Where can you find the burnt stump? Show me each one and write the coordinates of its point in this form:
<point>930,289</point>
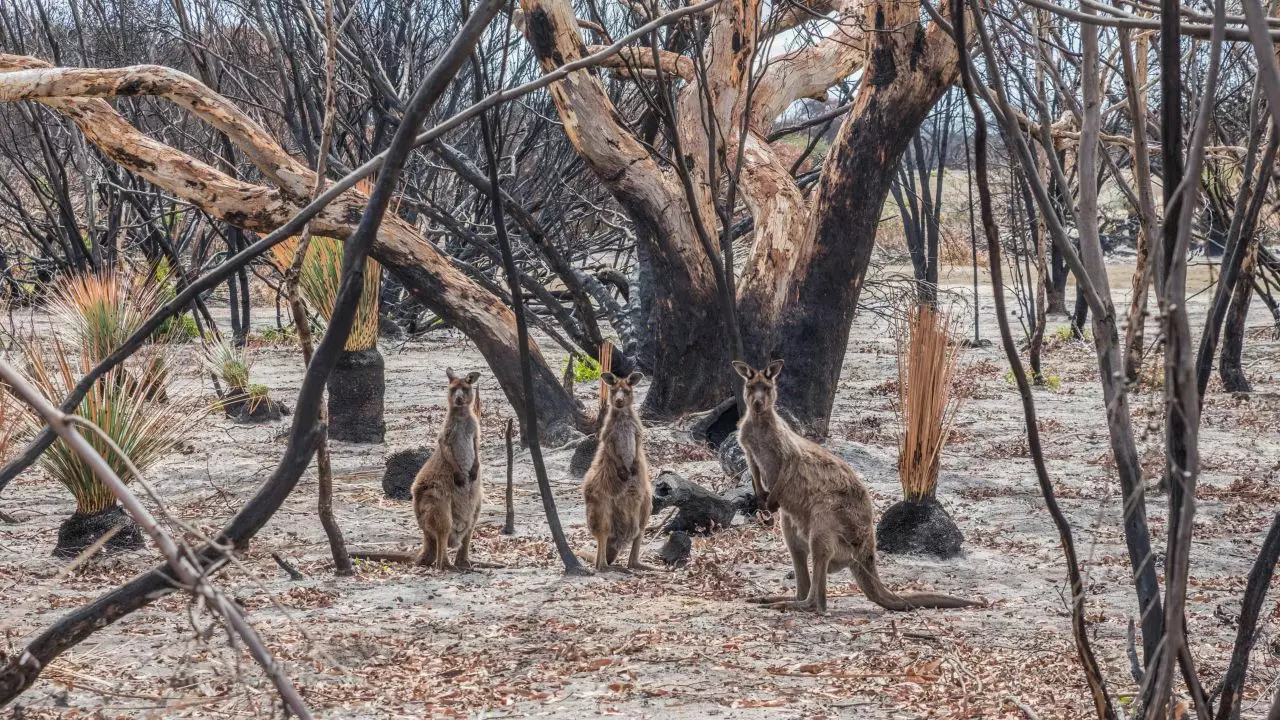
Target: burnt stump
<point>80,531</point>
<point>919,528</point>
<point>356,388</point>
<point>402,469</point>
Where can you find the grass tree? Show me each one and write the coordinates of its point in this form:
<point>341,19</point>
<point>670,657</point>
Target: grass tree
<point>927,406</point>
<point>100,310</point>
<point>357,385</point>
<point>144,429</point>
<point>242,400</point>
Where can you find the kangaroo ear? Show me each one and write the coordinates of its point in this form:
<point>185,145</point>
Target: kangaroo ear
<point>635,378</point>
<point>774,369</point>
<point>743,369</point>
<point>449,373</point>
<point>473,377</point>
<point>609,378</point>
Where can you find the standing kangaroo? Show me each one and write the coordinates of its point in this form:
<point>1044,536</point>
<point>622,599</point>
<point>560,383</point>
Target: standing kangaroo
<point>826,510</point>
<point>448,490</point>
<point>616,487</point>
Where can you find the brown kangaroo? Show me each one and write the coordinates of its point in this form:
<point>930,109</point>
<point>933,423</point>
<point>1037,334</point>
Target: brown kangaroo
<point>616,487</point>
<point>448,491</point>
<point>826,510</point>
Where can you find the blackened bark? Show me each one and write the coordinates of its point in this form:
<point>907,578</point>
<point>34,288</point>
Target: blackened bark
<point>685,339</point>
<point>1230,367</point>
<point>1056,294</point>
<point>815,323</point>
<point>356,391</point>
<point>1080,316</point>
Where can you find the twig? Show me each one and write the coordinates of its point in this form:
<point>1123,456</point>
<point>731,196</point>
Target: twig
<point>509,525</point>
<point>285,566</point>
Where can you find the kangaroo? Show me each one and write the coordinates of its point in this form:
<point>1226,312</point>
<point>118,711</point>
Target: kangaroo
<point>616,487</point>
<point>448,490</point>
<point>826,510</point>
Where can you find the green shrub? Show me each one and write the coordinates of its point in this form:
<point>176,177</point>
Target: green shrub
<point>585,368</point>
<point>146,431</point>
<point>230,364</point>
<point>1052,382</point>
<point>274,336</point>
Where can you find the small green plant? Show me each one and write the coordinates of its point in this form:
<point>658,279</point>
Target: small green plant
<point>177,329</point>
<point>274,336</point>
<point>1053,382</point>
<point>258,394</point>
<point>230,364</point>
<point>585,368</point>
<point>1064,333</point>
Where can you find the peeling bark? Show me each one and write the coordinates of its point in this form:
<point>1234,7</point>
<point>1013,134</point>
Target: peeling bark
<point>429,275</point>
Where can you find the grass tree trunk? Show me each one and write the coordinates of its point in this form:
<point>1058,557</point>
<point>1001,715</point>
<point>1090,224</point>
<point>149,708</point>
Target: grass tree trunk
<point>356,390</point>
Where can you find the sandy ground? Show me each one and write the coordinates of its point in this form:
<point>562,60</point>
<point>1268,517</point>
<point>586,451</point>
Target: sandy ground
<point>523,641</point>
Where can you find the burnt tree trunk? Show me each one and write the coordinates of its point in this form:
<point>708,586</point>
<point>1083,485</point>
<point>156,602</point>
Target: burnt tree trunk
<point>1056,294</point>
<point>356,390</point>
<point>892,102</point>
<point>1230,367</point>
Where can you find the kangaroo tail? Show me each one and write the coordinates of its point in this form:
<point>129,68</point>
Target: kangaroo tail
<point>869,580</point>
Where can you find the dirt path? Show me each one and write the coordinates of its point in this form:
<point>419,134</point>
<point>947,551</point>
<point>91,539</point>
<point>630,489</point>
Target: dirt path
<point>523,641</point>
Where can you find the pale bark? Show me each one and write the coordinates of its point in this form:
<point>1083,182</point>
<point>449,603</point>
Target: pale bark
<point>76,93</point>
<point>801,281</point>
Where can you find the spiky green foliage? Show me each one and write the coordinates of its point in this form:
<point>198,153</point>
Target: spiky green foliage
<point>586,369</point>
<point>320,280</point>
<point>231,364</point>
<point>101,310</point>
<point>145,430</point>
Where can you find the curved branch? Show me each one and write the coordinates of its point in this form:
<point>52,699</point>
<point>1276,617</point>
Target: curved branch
<point>27,78</point>
<point>809,71</point>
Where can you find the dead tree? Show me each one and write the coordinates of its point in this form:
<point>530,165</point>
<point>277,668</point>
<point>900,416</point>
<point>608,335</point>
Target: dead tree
<point>433,279</point>
<point>810,253</point>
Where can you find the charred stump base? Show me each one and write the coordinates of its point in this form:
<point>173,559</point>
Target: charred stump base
<point>676,551</point>
<point>1235,381</point>
<point>80,531</point>
<point>402,470</point>
<point>355,397</point>
<point>582,456</point>
<point>920,528</point>
<point>268,410</point>
<point>249,412</point>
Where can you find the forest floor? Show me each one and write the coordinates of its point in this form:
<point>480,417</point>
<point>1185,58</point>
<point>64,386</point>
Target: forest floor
<point>397,641</point>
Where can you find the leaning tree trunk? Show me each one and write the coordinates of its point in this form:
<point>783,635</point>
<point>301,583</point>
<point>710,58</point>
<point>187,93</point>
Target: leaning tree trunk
<point>898,92</point>
<point>356,389</point>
